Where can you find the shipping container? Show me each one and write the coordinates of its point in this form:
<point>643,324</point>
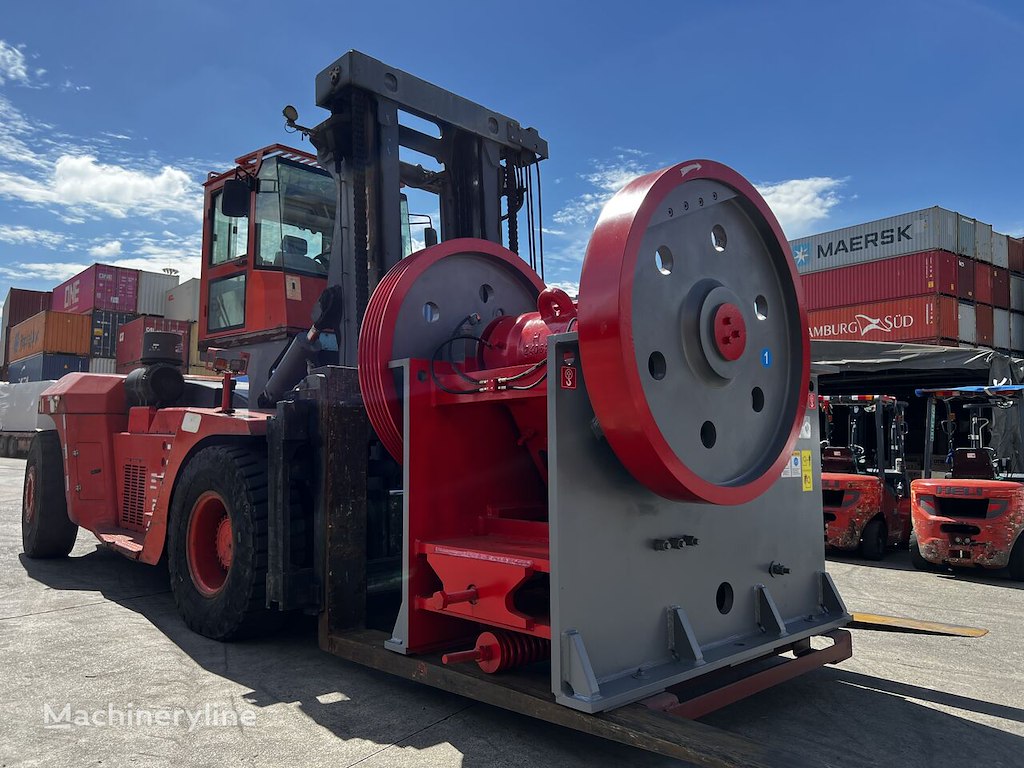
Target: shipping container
<point>102,365</point>
<point>985,325</point>
<point>1017,332</point>
<point>1000,250</point>
<point>105,329</point>
<point>98,287</point>
<point>900,320</point>
<point>983,242</point>
<point>965,278</point>
<point>982,282</point>
<point>129,338</point>
<point>59,332</point>
<point>965,244</point>
<point>153,287</point>
<point>967,323</point>
<point>182,302</point>
<point>1015,254</point>
<point>1000,287</point>
<point>46,366</point>
<point>1017,292</point>
<point>932,229</point>
<point>917,274</point>
<point>19,306</point>
<point>1001,328</point>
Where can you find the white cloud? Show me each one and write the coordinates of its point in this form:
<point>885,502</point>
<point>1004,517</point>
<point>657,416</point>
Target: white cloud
<point>28,236</point>
<point>12,64</point>
<point>608,177</point>
<point>572,287</point>
<point>83,183</point>
<point>50,271</point>
<point>67,85</point>
<point>801,203</point>
<point>106,250</point>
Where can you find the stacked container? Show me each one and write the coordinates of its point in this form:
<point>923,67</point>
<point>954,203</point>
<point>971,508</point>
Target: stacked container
<point>99,287</point>
<point>48,342</point>
<point>19,306</point>
<point>129,339</point>
<point>182,302</point>
<point>152,296</point>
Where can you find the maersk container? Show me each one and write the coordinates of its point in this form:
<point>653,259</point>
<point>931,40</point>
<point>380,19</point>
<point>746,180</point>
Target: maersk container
<point>98,287</point>
<point>1017,332</point>
<point>1001,328</point>
<point>983,242</point>
<point>965,233</point>
<point>19,306</point>
<point>60,332</point>
<point>182,302</point>
<point>153,287</point>
<point>1015,254</point>
<point>931,229</point>
<point>102,365</point>
<point>985,325</point>
<point>917,274</point>
<point>1017,293</point>
<point>900,320</point>
<point>1000,250</point>
<point>1000,287</point>
<point>105,328</point>
<point>967,325</point>
<point>982,282</point>
<point>46,366</point>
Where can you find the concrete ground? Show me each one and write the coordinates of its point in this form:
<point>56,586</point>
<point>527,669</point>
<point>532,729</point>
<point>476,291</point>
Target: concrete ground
<point>97,632</point>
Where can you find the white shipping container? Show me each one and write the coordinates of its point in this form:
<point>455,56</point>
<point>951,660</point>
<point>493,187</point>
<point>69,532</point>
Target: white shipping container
<point>965,236</point>
<point>1000,250</point>
<point>182,302</point>
<point>983,242</point>
<point>1016,292</point>
<point>19,407</point>
<point>102,365</point>
<point>966,323</point>
<point>1001,328</point>
<point>153,288</point>
<point>1017,331</point>
<point>931,229</point>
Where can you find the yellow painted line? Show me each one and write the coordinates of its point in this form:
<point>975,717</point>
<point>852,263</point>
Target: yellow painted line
<point>903,624</point>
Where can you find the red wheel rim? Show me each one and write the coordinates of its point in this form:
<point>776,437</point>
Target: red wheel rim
<point>29,501</point>
<point>607,338</point>
<point>377,335</point>
<point>209,544</point>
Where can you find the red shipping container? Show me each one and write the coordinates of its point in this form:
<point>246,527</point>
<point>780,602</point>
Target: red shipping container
<point>982,282</point>
<point>985,323</point>
<point>1015,254</point>
<point>98,287</point>
<point>928,272</point>
<point>129,338</point>
<point>965,278</point>
<point>918,317</point>
<point>1000,287</point>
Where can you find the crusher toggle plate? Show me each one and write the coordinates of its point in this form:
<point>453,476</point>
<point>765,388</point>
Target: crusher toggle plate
<point>629,480</point>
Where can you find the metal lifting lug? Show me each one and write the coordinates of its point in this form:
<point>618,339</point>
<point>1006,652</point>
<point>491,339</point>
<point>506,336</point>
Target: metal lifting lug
<point>777,569</point>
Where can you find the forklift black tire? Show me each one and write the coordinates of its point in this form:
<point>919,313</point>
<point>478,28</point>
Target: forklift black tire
<point>1016,563</point>
<point>46,530</point>
<point>917,559</point>
<point>873,540</point>
<point>217,543</point>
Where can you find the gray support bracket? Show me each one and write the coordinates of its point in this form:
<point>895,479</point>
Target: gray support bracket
<point>577,671</point>
<point>829,599</point>
<point>766,614</point>
<point>682,641</point>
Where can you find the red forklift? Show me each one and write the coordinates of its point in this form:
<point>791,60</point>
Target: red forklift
<point>973,515</point>
<point>864,484</point>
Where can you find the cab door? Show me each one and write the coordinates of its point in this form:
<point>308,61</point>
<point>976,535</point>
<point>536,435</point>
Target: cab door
<point>226,267</point>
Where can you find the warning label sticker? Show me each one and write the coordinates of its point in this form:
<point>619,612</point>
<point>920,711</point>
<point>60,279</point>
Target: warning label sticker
<point>805,430</point>
<point>568,377</point>
<point>793,468</point>
<point>807,474</point>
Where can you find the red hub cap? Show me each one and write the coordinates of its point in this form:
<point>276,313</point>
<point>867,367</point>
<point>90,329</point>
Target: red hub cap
<point>730,331</point>
<point>209,544</point>
<point>29,502</point>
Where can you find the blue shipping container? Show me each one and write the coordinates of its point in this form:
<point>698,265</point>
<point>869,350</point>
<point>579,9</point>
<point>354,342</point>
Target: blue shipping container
<point>46,366</point>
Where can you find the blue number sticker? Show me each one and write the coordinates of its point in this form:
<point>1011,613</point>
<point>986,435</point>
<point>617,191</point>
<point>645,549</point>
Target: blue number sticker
<point>766,357</point>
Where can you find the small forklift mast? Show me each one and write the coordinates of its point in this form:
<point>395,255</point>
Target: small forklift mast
<point>887,423</point>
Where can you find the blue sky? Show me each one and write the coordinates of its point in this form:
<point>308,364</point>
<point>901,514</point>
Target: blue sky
<point>111,113</point>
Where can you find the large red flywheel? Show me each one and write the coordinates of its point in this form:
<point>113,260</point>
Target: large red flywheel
<point>693,337</point>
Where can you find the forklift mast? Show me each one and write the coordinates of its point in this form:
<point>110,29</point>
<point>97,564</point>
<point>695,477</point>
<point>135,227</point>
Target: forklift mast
<point>887,423</point>
<point>484,156</point>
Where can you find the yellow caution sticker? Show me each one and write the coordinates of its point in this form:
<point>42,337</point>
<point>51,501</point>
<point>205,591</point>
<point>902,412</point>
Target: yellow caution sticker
<point>808,475</point>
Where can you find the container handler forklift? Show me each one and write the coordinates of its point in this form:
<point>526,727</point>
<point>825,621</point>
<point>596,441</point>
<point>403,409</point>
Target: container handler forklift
<point>865,490</point>
<point>586,497</point>
<point>974,515</point>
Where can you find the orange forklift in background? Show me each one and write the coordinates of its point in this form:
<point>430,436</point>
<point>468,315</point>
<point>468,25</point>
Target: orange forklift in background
<point>864,485</point>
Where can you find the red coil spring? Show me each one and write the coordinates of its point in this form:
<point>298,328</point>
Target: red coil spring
<point>497,651</point>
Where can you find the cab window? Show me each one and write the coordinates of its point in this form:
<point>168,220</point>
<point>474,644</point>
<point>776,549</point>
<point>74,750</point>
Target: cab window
<point>227,303</point>
<point>230,236</point>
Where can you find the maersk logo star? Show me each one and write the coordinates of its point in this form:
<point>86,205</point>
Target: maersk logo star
<point>801,253</point>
